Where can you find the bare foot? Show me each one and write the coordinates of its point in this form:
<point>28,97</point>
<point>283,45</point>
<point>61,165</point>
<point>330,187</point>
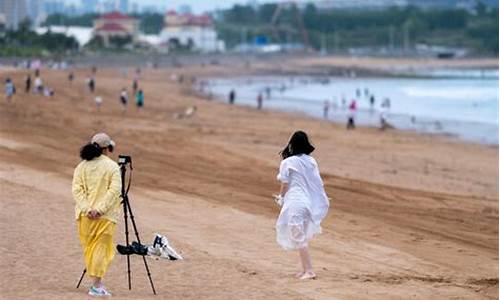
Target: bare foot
<point>299,274</point>
<point>308,275</point>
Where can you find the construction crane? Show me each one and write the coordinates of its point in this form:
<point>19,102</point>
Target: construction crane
<point>276,29</point>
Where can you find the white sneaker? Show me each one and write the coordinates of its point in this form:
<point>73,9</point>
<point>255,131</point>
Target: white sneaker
<point>99,292</point>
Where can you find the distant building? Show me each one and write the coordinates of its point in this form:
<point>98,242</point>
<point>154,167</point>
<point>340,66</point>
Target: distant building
<point>194,32</point>
<point>14,12</point>
<point>115,24</point>
<point>2,22</point>
<point>35,12</point>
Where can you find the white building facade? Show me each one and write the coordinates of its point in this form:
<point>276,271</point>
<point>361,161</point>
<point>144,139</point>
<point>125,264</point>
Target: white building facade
<point>190,31</point>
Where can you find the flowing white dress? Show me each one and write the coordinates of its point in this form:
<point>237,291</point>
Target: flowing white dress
<point>305,203</point>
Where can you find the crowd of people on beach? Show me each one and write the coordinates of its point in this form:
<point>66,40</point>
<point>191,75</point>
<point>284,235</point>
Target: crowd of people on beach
<point>350,108</point>
<point>38,87</point>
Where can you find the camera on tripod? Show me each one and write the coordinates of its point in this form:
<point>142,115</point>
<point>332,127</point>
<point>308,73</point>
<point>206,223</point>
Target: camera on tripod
<point>124,159</point>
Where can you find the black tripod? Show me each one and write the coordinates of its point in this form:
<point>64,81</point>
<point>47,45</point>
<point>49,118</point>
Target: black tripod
<point>127,210</point>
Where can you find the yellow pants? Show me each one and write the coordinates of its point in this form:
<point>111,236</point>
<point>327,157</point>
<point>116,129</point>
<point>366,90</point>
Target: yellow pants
<point>96,238</point>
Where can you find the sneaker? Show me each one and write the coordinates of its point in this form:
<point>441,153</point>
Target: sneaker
<point>98,292</point>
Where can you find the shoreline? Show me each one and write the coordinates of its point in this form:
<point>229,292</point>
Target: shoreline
<point>366,118</point>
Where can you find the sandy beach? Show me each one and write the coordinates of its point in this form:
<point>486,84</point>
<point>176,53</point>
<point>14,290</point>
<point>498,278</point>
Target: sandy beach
<point>412,216</point>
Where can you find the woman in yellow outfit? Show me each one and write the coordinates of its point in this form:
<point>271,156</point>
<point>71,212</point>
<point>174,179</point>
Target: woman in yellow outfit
<point>96,189</point>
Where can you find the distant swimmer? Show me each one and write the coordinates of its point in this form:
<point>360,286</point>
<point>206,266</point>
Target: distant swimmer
<point>10,89</point>
<point>259,101</point>
<point>27,83</point>
<point>351,116</point>
<point>232,96</point>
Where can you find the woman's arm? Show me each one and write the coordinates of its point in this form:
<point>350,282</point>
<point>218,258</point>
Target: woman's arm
<point>283,189</point>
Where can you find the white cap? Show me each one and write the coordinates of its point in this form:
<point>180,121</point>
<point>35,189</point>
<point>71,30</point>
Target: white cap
<point>103,140</point>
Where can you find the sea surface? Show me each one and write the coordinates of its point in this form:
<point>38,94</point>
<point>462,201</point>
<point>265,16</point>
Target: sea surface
<point>466,108</point>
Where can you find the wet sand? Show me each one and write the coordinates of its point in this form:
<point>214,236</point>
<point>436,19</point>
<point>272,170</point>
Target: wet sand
<point>412,216</point>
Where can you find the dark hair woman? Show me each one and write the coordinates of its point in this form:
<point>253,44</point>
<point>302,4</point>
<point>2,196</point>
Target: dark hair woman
<point>298,144</point>
<point>303,198</point>
<point>96,189</point>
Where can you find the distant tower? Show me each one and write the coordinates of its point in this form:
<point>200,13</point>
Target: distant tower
<point>34,11</point>
<point>124,6</point>
<point>14,11</point>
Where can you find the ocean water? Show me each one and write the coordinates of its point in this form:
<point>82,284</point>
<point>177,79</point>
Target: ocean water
<point>466,108</point>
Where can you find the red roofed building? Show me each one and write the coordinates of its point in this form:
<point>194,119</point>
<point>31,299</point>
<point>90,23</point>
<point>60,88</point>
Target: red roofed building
<point>115,24</point>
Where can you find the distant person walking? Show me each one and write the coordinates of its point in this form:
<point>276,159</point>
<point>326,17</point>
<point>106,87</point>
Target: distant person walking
<point>303,199</point>
<point>71,77</point>
<point>135,85</point>
<point>124,98</point>
<point>27,83</point>
<point>232,96</point>
<point>91,84</point>
<point>259,101</point>
<point>351,115</point>
<point>38,84</point>
<point>326,108</point>
<point>98,102</point>
<point>96,189</point>
<point>10,89</point>
<point>139,99</point>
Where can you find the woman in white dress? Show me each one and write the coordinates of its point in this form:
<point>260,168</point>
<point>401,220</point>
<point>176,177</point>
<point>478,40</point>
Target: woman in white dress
<point>303,198</point>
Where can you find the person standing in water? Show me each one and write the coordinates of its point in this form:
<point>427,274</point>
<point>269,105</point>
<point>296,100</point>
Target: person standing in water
<point>326,108</point>
<point>259,101</point>
<point>232,96</point>
<point>351,116</point>
<point>372,102</point>
<point>303,199</point>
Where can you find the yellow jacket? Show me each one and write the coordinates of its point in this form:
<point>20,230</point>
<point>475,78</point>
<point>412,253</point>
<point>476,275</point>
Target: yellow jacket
<point>97,185</point>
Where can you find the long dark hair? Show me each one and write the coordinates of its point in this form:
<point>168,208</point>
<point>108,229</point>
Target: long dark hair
<point>90,151</point>
<point>298,144</point>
